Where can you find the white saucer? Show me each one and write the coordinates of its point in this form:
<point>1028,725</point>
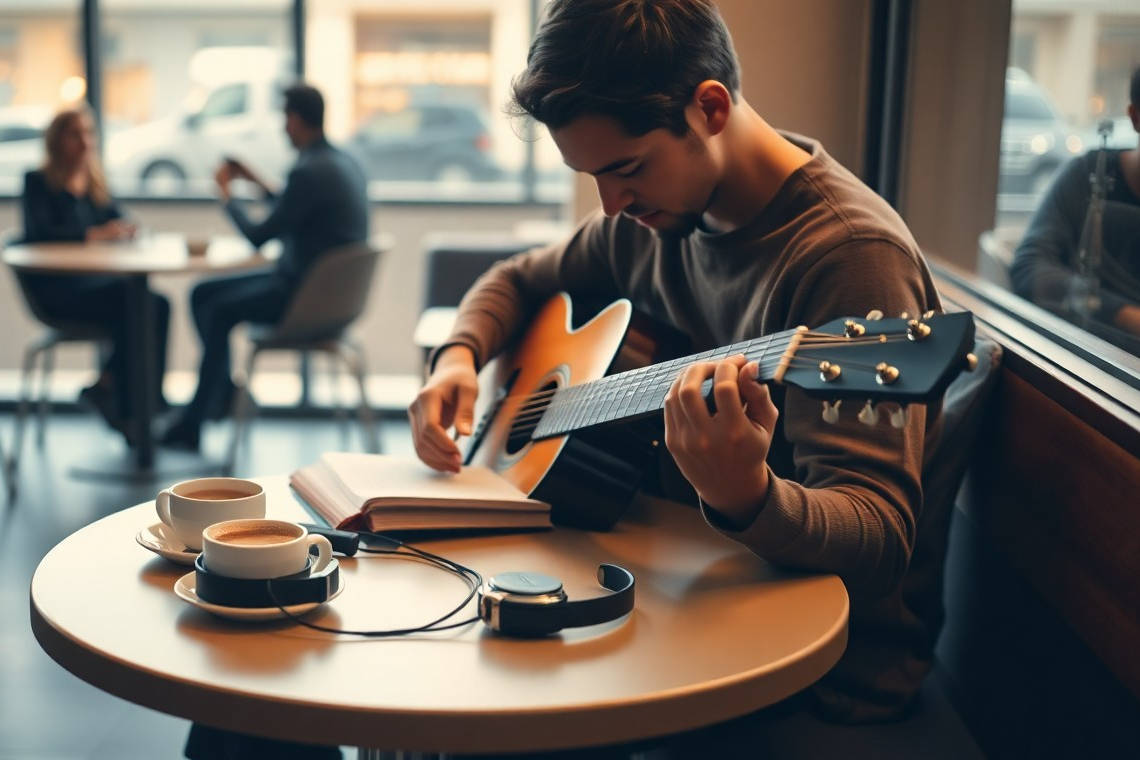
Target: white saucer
<point>186,590</point>
<point>157,539</point>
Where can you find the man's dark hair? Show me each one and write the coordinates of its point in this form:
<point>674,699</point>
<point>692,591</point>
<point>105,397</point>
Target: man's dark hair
<point>307,103</point>
<point>1134,88</point>
<point>636,61</point>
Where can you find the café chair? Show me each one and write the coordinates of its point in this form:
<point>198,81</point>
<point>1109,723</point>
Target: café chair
<point>333,294</point>
<point>43,348</point>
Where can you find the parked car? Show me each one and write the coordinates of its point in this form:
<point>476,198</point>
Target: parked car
<point>21,144</point>
<point>234,109</point>
<point>1035,140</point>
<point>430,141</point>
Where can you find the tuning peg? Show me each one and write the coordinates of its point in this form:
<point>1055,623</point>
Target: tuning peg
<point>874,314</point>
<point>900,417</point>
<point>928,314</point>
<point>916,330</point>
<point>831,412</point>
<point>885,373</point>
<point>971,362</point>
<point>829,372</point>
<point>853,329</point>
<point>869,415</point>
<point>904,315</point>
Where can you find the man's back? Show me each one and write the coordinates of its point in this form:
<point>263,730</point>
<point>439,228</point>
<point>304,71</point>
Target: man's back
<point>335,212</point>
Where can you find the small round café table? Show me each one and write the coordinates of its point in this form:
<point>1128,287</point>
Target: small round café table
<point>136,260</point>
<point>715,633</point>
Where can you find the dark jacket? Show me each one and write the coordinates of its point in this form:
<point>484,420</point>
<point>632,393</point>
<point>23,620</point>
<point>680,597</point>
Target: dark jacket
<point>324,205</point>
<point>55,215</point>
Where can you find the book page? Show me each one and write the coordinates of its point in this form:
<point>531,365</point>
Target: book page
<point>378,479</point>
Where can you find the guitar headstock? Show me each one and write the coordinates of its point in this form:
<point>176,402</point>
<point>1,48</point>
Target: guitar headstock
<point>906,360</point>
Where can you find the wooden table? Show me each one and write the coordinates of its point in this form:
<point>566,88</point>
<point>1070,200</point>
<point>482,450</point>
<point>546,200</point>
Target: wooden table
<point>716,633</point>
<point>136,260</point>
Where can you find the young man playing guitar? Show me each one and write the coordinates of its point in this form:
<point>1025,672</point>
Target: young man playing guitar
<point>725,228</point>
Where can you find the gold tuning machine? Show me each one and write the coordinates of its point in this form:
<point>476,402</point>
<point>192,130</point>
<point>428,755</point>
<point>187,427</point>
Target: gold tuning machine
<point>829,372</point>
<point>874,314</point>
<point>885,373</point>
<point>916,330</point>
<point>971,362</point>
<point>853,329</point>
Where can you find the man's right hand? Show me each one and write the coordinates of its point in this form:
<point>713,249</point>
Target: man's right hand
<point>448,398</point>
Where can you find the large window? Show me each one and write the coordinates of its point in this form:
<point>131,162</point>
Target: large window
<point>188,83</point>
<point>41,70</point>
<point>1068,206</point>
<point>416,92</point>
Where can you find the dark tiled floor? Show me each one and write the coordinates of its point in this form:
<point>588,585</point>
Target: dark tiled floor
<point>45,712</point>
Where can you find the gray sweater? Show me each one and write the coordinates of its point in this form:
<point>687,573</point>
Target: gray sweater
<point>843,498</point>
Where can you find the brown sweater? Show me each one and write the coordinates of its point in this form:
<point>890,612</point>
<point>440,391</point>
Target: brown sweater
<point>844,498</point>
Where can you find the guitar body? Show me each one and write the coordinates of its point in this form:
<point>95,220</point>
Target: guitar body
<point>589,476</point>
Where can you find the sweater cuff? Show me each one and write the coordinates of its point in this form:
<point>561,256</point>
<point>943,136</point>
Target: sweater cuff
<point>775,524</point>
<point>433,357</point>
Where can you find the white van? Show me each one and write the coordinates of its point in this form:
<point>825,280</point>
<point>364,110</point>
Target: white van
<point>233,108</point>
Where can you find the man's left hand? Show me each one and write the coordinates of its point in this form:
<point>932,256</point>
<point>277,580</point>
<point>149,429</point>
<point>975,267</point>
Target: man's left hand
<point>722,454</point>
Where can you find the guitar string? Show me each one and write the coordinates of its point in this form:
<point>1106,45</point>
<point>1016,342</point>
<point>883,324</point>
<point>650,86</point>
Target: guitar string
<point>538,396</point>
<point>535,401</point>
<point>533,407</point>
<point>521,424</point>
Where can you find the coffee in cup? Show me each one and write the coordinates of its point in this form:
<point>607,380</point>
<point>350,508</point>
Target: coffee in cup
<point>187,508</point>
<point>261,549</point>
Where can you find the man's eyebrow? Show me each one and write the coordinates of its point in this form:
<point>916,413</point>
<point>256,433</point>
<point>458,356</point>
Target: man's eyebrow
<point>612,166</point>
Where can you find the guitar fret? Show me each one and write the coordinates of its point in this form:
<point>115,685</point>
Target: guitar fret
<point>638,391</point>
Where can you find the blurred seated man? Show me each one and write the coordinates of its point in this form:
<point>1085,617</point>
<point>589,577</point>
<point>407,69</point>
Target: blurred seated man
<point>67,200</point>
<point>324,205</point>
<point>1047,265</point>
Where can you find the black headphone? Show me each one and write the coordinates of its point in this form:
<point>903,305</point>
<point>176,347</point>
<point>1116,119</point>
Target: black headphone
<point>532,604</point>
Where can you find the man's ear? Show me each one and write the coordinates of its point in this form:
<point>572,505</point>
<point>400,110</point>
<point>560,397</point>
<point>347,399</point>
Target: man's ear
<point>713,103</point>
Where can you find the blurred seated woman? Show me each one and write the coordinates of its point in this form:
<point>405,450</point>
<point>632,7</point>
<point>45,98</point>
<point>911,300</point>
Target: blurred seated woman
<point>67,201</point>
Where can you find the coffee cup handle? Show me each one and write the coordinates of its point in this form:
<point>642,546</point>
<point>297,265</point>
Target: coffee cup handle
<point>162,505</point>
<point>324,549</point>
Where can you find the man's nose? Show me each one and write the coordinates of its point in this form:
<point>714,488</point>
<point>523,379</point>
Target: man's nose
<point>614,197</point>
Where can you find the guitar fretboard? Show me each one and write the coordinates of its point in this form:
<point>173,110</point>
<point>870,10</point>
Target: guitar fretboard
<point>642,391</point>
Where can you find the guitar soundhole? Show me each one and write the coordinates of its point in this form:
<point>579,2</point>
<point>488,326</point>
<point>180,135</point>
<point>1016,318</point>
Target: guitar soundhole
<point>528,417</point>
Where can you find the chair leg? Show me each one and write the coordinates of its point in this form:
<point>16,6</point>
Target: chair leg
<point>48,365</point>
<point>339,413</point>
<point>242,412</point>
<point>30,356</point>
<point>354,358</point>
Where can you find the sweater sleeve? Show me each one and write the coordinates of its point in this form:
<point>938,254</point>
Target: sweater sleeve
<point>497,306</point>
<point>854,502</point>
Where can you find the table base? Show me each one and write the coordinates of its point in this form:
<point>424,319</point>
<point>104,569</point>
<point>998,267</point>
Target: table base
<point>167,465</point>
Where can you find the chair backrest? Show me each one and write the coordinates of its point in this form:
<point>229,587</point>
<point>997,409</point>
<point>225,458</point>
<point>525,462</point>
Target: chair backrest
<point>332,294</point>
<point>454,262</point>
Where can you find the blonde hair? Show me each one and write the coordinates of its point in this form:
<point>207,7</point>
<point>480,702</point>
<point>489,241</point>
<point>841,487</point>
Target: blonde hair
<point>54,169</point>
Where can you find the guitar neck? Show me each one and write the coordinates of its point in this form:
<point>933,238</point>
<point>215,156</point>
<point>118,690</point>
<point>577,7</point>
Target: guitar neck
<point>640,392</point>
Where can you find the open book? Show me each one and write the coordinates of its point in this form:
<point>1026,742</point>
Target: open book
<point>378,492</point>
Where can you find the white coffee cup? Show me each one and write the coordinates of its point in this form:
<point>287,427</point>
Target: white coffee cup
<point>261,548</point>
<point>189,507</point>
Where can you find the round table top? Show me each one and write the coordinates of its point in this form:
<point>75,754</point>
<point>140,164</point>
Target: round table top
<point>159,253</point>
<point>716,633</point>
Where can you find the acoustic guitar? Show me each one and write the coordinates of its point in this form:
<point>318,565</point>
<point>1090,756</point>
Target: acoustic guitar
<point>571,416</point>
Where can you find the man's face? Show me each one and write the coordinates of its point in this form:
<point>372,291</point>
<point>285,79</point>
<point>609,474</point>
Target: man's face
<point>663,181</point>
<point>295,128</point>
